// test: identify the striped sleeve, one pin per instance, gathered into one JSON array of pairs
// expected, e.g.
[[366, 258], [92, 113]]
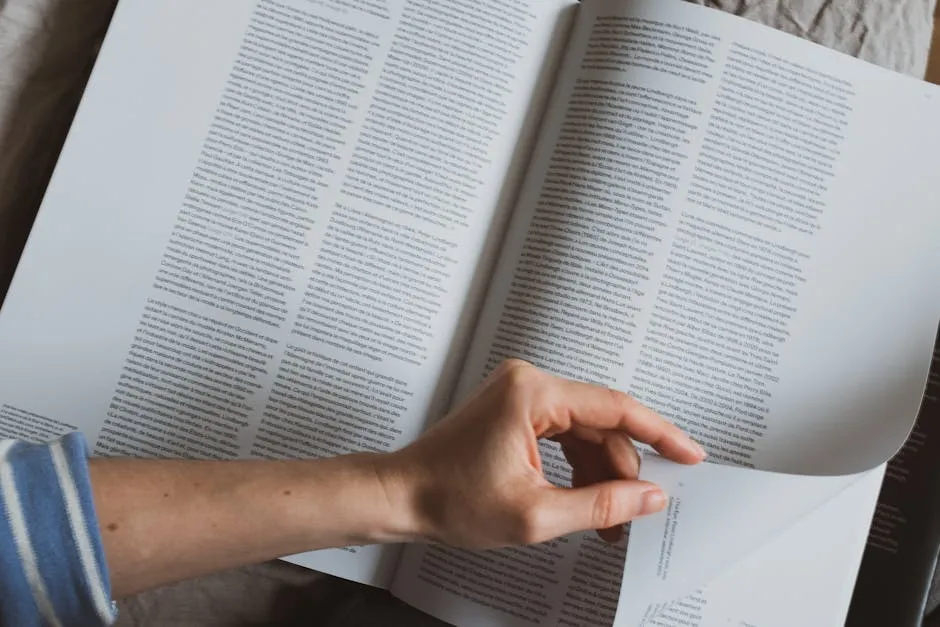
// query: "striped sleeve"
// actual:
[[52, 567]]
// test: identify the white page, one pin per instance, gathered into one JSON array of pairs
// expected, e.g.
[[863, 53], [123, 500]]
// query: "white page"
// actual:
[[786, 349], [746, 537], [717, 516], [590, 265], [805, 576], [264, 209], [848, 380]]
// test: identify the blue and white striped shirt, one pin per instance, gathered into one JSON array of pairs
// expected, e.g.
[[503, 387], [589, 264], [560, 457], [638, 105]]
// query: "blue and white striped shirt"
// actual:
[[52, 567]]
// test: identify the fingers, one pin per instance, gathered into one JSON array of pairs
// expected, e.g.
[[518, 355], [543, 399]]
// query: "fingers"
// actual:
[[583, 405], [580, 479], [595, 407], [611, 452], [605, 505], [614, 458], [623, 462], [621, 456]]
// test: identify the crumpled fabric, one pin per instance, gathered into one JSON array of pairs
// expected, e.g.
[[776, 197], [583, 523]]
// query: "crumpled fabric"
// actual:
[[47, 49], [894, 34]]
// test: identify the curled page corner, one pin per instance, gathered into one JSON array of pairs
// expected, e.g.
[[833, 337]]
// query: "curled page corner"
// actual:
[[852, 406], [847, 424], [717, 516]]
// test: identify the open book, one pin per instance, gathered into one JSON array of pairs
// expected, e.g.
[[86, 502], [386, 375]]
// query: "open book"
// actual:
[[294, 228]]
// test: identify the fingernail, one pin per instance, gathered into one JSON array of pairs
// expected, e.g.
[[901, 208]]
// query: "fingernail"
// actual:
[[699, 450], [654, 500]]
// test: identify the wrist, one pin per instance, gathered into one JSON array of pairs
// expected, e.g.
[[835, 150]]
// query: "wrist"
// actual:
[[399, 481]]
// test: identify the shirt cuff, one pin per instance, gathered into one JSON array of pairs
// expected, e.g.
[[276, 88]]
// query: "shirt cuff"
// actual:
[[52, 565]]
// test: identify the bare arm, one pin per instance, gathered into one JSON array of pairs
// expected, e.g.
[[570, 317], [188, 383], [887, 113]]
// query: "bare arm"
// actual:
[[474, 481], [164, 521]]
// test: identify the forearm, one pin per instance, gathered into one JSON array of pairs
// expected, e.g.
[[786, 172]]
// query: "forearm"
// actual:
[[472, 481], [164, 521]]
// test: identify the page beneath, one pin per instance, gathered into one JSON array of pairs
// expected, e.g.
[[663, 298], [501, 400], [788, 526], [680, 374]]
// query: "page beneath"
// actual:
[[804, 576], [267, 224], [571, 581], [734, 225]]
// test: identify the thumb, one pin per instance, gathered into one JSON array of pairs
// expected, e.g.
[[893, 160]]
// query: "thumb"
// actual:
[[600, 505]]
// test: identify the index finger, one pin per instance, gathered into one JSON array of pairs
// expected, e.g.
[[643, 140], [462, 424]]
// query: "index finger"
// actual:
[[596, 407]]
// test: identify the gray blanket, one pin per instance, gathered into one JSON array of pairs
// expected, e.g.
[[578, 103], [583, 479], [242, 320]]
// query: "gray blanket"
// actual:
[[47, 48]]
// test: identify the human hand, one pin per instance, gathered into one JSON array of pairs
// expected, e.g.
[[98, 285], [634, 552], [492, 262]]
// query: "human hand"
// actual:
[[475, 479]]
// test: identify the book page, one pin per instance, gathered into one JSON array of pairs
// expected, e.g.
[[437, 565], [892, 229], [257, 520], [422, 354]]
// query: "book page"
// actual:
[[267, 225], [719, 516], [738, 228], [803, 576]]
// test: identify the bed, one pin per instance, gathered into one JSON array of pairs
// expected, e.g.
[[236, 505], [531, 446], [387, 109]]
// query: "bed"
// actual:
[[48, 47]]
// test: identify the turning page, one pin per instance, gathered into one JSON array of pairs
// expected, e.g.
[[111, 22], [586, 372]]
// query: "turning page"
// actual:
[[268, 223], [738, 228], [802, 573], [848, 382], [720, 516]]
